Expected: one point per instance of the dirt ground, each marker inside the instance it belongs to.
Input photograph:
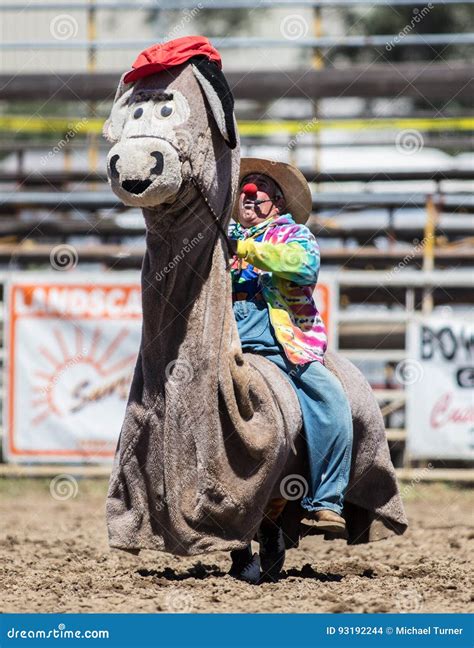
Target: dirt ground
(54, 557)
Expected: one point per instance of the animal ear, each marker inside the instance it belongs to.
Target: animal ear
(219, 96)
(113, 126)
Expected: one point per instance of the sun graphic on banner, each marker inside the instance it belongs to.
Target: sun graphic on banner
(77, 374)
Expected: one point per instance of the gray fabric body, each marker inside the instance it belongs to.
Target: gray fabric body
(208, 431)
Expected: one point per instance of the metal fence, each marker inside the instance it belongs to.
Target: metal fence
(351, 318)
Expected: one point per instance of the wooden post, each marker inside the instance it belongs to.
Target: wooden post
(67, 158)
(429, 241)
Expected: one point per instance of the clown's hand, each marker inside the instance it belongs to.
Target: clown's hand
(232, 245)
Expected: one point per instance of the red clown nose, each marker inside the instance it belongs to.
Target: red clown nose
(250, 188)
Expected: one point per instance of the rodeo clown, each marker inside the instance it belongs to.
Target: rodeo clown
(274, 272)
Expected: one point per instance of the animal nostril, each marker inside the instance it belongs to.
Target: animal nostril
(113, 166)
(139, 186)
(158, 168)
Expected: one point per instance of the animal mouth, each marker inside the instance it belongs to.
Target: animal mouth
(136, 186)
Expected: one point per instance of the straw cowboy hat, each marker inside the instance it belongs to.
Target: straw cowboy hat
(291, 181)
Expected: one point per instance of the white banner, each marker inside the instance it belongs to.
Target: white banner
(71, 347)
(439, 379)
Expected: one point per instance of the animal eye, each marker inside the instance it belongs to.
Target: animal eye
(164, 110)
(138, 113)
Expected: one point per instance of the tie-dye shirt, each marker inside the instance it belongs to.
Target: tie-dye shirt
(286, 264)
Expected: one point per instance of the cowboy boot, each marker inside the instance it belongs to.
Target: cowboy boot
(245, 566)
(272, 549)
(325, 520)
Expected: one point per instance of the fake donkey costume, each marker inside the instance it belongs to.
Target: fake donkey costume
(208, 430)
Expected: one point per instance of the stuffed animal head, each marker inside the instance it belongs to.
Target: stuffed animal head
(169, 122)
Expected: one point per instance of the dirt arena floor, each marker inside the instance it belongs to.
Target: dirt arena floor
(54, 557)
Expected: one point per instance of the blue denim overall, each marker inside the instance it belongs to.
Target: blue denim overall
(327, 419)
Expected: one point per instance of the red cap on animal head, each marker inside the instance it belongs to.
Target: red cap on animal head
(166, 55)
(250, 188)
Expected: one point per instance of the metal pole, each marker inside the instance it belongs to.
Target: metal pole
(318, 64)
(91, 67)
(179, 5)
(358, 41)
